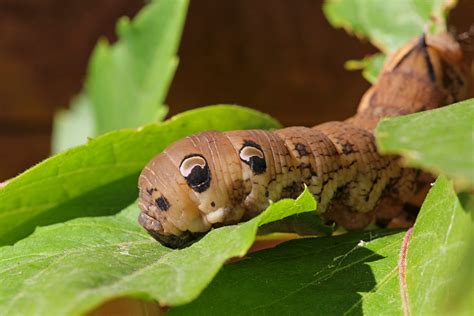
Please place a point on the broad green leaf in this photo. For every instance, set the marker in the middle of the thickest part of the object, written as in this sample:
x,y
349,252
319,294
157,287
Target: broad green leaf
x,y
100,178
436,251
388,24
370,66
351,274
127,82
72,127
357,273
72,267
440,140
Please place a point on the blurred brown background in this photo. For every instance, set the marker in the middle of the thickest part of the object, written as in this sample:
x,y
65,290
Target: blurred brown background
x,y
278,56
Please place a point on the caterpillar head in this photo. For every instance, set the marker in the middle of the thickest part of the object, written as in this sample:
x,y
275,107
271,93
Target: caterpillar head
x,y
197,183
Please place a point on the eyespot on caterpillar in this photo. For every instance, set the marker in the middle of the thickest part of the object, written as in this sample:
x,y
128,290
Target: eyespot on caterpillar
x,y
213,179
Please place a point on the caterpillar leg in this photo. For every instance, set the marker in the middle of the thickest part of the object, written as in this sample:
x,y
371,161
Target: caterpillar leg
x,y
394,213
347,217
387,209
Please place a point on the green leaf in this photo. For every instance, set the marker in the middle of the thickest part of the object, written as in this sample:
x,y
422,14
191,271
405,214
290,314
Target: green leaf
x,y
462,302
127,83
388,24
100,178
439,140
350,274
72,127
370,66
436,251
357,273
84,262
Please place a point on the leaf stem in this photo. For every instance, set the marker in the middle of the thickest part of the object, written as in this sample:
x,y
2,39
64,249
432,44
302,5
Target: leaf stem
x,y
402,272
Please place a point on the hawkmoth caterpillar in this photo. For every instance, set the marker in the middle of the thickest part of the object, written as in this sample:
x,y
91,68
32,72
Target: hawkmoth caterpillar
x,y
212,179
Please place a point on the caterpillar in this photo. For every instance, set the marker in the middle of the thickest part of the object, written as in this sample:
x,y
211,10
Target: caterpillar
x,y
214,178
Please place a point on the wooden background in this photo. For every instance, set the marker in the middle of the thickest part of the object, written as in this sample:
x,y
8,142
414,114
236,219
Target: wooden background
x,y
278,56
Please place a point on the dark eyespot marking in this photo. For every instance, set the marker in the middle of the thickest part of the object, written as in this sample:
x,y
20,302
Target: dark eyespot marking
x,y
162,203
251,143
251,154
213,204
195,170
301,149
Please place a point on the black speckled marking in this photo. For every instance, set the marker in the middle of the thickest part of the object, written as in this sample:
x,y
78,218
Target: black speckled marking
x,y
301,149
151,190
162,203
347,148
292,190
451,79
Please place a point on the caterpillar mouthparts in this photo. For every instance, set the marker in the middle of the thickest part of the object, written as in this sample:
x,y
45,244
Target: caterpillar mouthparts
x,y
212,179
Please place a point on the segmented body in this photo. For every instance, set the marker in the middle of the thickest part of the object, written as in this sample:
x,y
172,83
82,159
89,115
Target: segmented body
x,y
212,179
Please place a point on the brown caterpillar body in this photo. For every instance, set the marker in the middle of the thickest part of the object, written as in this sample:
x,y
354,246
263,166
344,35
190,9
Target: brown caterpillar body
x,y
212,179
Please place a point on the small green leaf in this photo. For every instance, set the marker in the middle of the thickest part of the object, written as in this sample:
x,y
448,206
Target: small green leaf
x,y
72,127
388,24
87,261
436,251
100,178
127,83
439,140
370,66
284,208
352,274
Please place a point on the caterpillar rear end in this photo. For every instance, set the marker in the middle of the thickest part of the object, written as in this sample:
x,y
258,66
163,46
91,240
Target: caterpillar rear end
x,y
212,179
